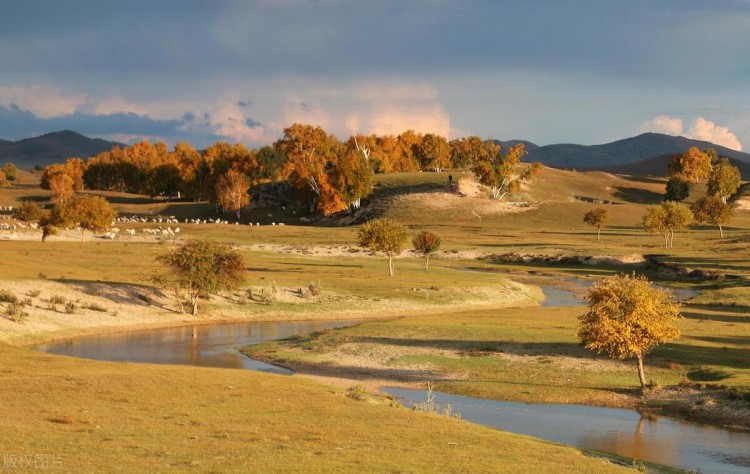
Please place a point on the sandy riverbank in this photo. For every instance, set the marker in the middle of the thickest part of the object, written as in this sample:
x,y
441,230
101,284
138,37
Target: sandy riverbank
x,y
99,307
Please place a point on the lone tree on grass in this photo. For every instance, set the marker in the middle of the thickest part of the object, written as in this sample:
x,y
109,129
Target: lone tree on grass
x,y
202,267
596,217
666,219
92,213
627,318
712,210
426,243
383,235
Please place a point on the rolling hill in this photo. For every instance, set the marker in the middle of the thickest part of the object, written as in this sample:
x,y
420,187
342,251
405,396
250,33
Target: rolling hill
x,y
51,148
621,152
657,166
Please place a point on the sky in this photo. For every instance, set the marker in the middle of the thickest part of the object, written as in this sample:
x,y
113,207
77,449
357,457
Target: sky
x,y
548,71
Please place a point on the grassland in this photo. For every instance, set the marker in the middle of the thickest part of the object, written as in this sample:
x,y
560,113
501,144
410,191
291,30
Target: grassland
x,y
464,330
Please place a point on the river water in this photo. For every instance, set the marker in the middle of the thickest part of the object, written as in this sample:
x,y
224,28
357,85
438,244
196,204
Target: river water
x,y
662,440
624,432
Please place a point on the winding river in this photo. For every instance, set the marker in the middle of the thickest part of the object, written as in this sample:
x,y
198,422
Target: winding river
x,y
661,440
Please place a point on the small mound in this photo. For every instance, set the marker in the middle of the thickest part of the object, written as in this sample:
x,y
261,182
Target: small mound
x,y
470,188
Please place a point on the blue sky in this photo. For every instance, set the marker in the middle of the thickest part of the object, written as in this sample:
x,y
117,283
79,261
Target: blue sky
x,y
548,71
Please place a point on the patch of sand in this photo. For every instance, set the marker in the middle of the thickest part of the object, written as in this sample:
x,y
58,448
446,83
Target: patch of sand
x,y
742,204
105,307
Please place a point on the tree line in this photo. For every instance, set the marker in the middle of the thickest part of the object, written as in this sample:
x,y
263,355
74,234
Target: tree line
x,y
328,175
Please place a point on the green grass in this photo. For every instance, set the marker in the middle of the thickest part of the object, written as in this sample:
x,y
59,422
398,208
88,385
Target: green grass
x,y
181,417
146,418
524,354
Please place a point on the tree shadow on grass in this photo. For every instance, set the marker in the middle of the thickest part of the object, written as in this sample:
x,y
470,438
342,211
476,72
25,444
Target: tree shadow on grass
x,y
637,195
676,351
120,293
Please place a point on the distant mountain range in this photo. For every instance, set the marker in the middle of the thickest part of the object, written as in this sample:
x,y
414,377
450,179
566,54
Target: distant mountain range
x,y
51,148
619,153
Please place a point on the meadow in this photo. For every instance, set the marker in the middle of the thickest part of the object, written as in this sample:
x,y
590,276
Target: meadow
x,y
471,324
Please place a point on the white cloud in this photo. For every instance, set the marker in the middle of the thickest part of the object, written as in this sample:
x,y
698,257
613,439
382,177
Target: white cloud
x,y
393,109
662,124
699,129
43,101
702,129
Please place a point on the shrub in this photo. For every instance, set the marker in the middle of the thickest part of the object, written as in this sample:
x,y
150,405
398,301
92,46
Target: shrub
x,y
7,296
264,295
26,302
28,212
33,293
71,307
315,288
95,307
57,299
431,406
15,312
356,392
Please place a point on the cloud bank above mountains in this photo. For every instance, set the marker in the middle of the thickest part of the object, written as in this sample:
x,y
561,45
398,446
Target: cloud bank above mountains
x,y
584,71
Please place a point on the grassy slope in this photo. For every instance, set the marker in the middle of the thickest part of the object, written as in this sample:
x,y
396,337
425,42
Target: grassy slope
x,y
714,336
102,417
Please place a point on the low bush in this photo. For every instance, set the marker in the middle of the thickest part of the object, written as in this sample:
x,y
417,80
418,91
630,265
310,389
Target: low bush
x,y
95,307
33,293
15,312
70,307
7,296
265,295
315,288
356,392
57,299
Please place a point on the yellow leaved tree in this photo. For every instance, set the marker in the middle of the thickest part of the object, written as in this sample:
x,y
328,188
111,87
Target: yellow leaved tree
x,y
627,318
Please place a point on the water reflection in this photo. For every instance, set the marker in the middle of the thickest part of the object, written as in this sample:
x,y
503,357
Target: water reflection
x,y
625,432
206,346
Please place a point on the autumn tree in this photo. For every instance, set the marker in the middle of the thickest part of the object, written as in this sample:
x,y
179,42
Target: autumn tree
x,y
712,210
426,243
202,267
465,152
678,189
92,213
383,235
270,163
724,179
351,174
666,219
596,217
74,167
29,211
692,165
11,172
61,186
498,171
231,191
310,153
433,152
194,170
628,317
3,180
